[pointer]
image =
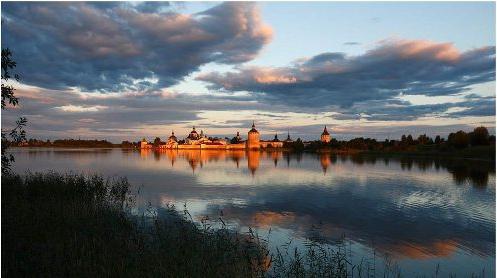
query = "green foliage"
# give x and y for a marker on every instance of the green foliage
(480, 136)
(17, 134)
(157, 141)
(296, 145)
(459, 139)
(8, 64)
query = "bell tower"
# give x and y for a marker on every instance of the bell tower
(253, 141)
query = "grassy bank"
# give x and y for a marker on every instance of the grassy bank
(72, 225)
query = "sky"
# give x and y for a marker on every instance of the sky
(127, 70)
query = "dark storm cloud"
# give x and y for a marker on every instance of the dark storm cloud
(475, 106)
(151, 7)
(395, 67)
(396, 110)
(113, 46)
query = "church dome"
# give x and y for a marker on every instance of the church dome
(173, 137)
(193, 134)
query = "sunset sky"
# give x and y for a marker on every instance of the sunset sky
(125, 70)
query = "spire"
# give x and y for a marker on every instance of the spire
(253, 127)
(325, 131)
(288, 137)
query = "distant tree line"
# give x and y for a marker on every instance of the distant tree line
(458, 140)
(68, 143)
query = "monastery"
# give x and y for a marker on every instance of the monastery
(196, 140)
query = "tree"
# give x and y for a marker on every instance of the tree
(409, 139)
(157, 141)
(437, 140)
(459, 139)
(480, 136)
(17, 134)
(423, 139)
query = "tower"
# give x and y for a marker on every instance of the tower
(325, 136)
(143, 143)
(253, 141)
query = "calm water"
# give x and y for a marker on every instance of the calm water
(413, 213)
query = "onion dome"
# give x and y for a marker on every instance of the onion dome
(276, 138)
(325, 131)
(253, 128)
(172, 137)
(193, 134)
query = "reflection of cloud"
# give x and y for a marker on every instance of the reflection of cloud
(267, 219)
(437, 249)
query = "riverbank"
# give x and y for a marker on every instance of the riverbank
(60, 225)
(484, 153)
(71, 225)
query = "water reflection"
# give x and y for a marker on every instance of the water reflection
(415, 210)
(475, 172)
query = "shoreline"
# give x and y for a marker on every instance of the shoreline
(486, 153)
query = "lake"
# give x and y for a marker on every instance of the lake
(414, 214)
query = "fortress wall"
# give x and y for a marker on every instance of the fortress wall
(189, 147)
(213, 147)
(236, 146)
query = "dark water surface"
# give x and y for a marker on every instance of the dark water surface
(414, 213)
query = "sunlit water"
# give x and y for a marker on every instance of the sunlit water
(412, 213)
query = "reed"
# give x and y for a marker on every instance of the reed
(73, 225)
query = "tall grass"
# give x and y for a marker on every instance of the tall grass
(74, 225)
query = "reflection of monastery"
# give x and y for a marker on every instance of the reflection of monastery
(252, 159)
(200, 141)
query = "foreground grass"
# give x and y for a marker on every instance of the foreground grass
(72, 225)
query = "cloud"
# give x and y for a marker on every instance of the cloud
(393, 68)
(110, 47)
(351, 43)
(80, 108)
(398, 110)
(151, 7)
